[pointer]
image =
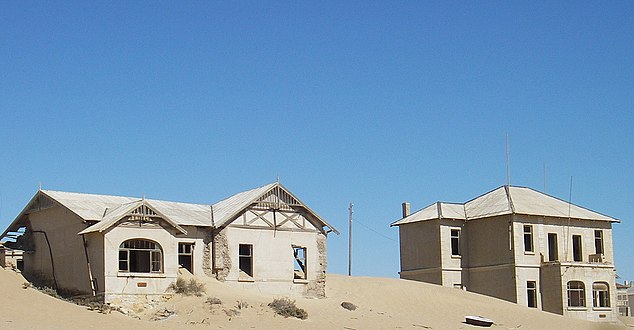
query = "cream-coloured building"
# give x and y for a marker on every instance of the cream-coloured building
(129, 249)
(516, 244)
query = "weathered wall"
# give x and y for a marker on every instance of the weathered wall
(420, 246)
(589, 274)
(273, 261)
(144, 286)
(487, 242)
(495, 281)
(553, 291)
(69, 260)
(452, 265)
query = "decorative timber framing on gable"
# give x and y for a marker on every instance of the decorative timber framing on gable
(274, 207)
(139, 212)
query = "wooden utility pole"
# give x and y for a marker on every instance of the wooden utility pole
(350, 240)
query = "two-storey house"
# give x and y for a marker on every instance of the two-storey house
(516, 244)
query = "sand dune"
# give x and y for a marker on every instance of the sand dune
(382, 304)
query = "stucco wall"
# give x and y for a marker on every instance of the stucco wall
(494, 281)
(552, 289)
(119, 285)
(69, 259)
(420, 246)
(273, 261)
(487, 242)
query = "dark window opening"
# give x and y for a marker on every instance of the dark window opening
(528, 239)
(140, 256)
(186, 256)
(299, 271)
(553, 254)
(600, 294)
(246, 259)
(598, 241)
(576, 248)
(531, 293)
(576, 294)
(455, 242)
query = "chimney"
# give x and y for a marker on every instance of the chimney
(405, 206)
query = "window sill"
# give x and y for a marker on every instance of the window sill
(580, 308)
(456, 256)
(530, 253)
(246, 279)
(601, 308)
(141, 275)
(300, 281)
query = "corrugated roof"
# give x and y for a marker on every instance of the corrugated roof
(447, 211)
(228, 208)
(103, 207)
(106, 210)
(507, 200)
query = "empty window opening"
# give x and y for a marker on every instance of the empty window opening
(140, 256)
(598, 241)
(576, 294)
(528, 239)
(553, 254)
(600, 294)
(186, 256)
(576, 248)
(531, 293)
(299, 254)
(246, 259)
(455, 242)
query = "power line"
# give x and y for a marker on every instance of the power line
(374, 231)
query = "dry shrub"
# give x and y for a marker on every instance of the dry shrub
(287, 308)
(188, 288)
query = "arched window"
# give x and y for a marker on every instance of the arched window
(576, 294)
(140, 256)
(600, 294)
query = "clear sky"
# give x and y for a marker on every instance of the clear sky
(366, 102)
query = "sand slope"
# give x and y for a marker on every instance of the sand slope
(382, 304)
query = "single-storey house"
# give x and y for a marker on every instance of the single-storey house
(125, 248)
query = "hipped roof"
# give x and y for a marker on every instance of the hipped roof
(505, 200)
(106, 210)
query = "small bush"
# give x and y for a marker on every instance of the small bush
(188, 288)
(348, 305)
(213, 301)
(287, 308)
(241, 304)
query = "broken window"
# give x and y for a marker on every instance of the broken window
(455, 242)
(531, 293)
(600, 294)
(598, 241)
(185, 256)
(528, 238)
(299, 254)
(246, 259)
(576, 248)
(576, 294)
(140, 256)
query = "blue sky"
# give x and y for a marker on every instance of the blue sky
(366, 102)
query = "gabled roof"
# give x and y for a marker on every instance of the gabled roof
(506, 200)
(106, 210)
(112, 217)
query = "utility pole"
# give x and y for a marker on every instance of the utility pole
(350, 240)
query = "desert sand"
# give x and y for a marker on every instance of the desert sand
(382, 304)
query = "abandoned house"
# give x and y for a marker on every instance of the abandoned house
(126, 249)
(516, 244)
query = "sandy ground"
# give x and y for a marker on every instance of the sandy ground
(382, 304)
